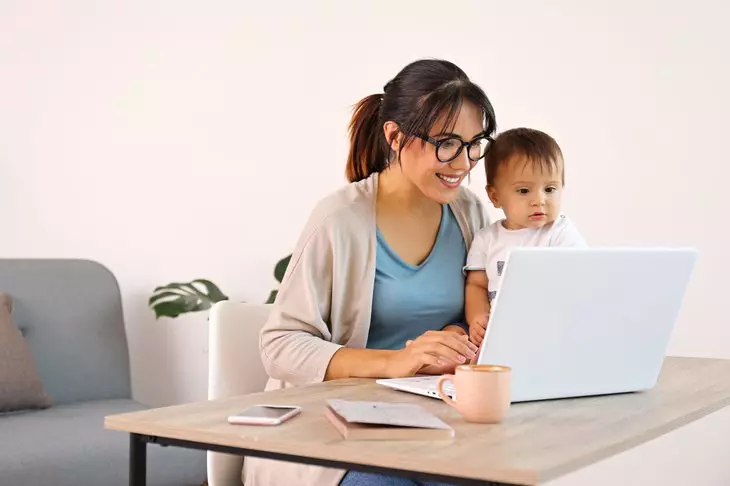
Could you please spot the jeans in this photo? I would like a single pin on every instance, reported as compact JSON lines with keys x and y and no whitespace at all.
{"x":356,"y":478}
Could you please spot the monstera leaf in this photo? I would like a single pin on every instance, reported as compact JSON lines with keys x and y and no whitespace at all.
{"x":174,"y":299}
{"x":279,"y":271}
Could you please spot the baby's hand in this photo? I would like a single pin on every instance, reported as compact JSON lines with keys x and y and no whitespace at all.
{"x":477,"y":329}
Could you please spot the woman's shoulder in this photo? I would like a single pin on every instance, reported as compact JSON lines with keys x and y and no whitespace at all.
{"x":349,"y":207}
{"x":472,"y":207}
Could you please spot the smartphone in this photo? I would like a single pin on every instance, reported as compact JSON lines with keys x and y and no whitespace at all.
{"x":265,"y":415}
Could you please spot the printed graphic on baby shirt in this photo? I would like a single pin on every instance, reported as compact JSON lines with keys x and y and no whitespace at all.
{"x":500,"y":267}
{"x":491,"y":295}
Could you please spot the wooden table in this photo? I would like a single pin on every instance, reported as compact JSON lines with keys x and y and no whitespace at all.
{"x":538,"y":442}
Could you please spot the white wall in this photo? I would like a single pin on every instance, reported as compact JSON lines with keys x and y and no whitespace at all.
{"x":161,"y":138}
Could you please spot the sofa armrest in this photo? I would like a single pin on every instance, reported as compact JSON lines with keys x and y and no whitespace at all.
{"x":234,"y":368}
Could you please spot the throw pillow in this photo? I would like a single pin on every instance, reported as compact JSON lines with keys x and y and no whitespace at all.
{"x":21,"y":387}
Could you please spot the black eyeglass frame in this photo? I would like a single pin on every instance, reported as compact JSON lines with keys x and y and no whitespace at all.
{"x":438,"y":143}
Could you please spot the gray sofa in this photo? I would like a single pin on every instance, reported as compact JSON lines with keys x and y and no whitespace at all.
{"x":70,"y":314}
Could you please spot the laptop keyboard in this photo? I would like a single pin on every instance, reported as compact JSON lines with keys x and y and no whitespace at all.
{"x":429,"y":384}
{"x":426,"y":385}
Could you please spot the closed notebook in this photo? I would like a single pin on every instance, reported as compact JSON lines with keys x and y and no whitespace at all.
{"x":362,"y":420}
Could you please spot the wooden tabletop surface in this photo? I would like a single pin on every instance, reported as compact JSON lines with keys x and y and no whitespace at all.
{"x":538,"y":442}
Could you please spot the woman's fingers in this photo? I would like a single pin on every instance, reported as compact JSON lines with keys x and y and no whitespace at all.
{"x":457,"y":341}
{"x":438,"y":361}
{"x":458,"y":344}
{"x":435,"y":349}
{"x":445,"y":352}
{"x":448,"y":346}
{"x":461,"y":344}
{"x":472,"y":347}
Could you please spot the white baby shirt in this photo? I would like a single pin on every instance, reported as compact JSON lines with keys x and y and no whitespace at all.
{"x":493,"y":243}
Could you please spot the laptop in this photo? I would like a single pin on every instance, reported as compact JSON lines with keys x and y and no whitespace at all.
{"x":575,"y":322}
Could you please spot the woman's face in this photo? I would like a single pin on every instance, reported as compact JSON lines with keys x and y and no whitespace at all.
{"x":436,"y":180}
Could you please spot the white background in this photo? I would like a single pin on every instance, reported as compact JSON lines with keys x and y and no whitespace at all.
{"x":177,"y":139}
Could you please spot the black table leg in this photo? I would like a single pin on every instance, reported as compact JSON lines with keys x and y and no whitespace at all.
{"x":137,"y":460}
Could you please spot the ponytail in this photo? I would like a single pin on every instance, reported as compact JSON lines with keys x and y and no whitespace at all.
{"x":368,"y":150}
{"x":423,"y":93}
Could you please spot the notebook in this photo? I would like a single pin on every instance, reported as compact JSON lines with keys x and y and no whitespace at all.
{"x":363,"y":420}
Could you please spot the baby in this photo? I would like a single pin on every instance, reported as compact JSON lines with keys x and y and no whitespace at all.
{"x":525,"y":178}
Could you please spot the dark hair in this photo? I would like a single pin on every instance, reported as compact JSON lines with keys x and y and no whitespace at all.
{"x":415,"y":99}
{"x":534,"y":146}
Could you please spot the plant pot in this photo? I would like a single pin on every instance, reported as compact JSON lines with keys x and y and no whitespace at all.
{"x":187,"y":351}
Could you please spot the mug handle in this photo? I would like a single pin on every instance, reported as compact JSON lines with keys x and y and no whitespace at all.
{"x":440,"y":388}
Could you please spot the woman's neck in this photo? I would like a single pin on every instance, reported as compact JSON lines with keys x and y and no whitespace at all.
{"x":397,"y":192}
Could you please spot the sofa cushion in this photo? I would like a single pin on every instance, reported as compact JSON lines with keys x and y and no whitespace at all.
{"x":20,"y":385}
{"x":67,"y":445}
{"x":70,"y":312}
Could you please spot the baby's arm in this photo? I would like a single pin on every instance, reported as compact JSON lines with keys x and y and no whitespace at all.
{"x":477,"y":304}
{"x":476,"y":298}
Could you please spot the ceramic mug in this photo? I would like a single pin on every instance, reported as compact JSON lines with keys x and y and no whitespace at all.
{"x":483,"y":392}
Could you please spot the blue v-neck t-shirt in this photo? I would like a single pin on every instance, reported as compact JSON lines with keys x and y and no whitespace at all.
{"x":409,"y":300}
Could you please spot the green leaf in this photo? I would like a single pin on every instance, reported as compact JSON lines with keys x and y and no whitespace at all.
{"x":162,"y":295}
{"x":176,"y":298}
{"x":214,"y":293}
{"x":272,"y":297}
{"x":280,"y":268}
{"x":174,"y":309}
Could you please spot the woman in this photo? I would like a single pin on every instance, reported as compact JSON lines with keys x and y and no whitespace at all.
{"x":375,"y":285}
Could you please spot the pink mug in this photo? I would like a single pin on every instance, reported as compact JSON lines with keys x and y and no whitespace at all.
{"x":483,"y":392}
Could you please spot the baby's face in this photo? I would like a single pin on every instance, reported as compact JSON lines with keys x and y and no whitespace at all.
{"x":529,"y":193}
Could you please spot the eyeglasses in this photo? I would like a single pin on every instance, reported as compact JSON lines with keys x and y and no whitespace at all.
{"x":447,"y":149}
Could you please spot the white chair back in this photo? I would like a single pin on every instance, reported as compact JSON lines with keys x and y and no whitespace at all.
{"x":235,"y":368}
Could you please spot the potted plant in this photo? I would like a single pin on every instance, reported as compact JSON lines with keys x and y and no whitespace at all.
{"x":200,"y":294}
{"x":178,"y":298}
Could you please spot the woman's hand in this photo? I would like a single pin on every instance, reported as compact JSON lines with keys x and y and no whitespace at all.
{"x":433,"y":352}
{"x":447,"y":368}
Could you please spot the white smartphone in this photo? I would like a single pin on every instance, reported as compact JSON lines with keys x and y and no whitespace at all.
{"x":265,"y":415}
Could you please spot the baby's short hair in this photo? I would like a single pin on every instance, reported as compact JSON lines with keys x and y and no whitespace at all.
{"x":534,"y":146}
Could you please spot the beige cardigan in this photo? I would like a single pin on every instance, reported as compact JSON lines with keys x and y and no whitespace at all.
{"x":324,"y":303}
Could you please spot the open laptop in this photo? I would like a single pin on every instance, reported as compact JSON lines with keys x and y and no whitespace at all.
{"x":576,"y":322}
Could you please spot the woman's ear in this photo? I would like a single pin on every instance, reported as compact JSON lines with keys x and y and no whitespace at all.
{"x":392,"y":135}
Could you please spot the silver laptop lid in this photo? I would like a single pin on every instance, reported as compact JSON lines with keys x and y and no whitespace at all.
{"x":577,"y":322}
